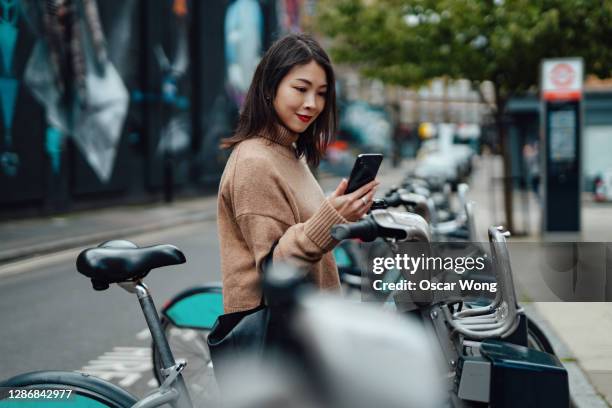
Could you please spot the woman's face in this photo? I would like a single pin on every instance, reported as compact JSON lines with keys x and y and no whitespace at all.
{"x":300,"y":97}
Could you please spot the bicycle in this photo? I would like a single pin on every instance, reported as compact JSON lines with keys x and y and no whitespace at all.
{"x":125,"y":264}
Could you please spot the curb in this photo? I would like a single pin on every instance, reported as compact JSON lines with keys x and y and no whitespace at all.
{"x":95,"y":238}
{"x":582,"y":393}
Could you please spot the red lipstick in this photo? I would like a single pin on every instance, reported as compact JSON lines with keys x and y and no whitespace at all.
{"x":304,"y":118}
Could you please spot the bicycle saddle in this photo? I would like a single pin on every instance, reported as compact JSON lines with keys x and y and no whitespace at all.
{"x":120,"y":261}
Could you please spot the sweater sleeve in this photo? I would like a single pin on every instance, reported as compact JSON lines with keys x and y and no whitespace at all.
{"x":264,"y":215}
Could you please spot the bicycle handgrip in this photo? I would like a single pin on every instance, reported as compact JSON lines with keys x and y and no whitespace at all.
{"x":393,"y":200}
{"x":366,"y":230}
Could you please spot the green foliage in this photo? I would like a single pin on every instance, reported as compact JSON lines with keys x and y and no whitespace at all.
{"x":408,"y":42}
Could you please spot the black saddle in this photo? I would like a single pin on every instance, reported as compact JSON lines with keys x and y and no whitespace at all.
{"x":120,"y":261}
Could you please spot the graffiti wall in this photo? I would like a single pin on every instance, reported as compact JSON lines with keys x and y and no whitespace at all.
{"x":106,"y":101}
{"x":22,"y":144}
{"x":227,"y":64}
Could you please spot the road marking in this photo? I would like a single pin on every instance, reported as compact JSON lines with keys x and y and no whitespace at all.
{"x":144,"y":334}
{"x":44,"y":261}
{"x":39,"y":263}
{"x":186,"y":335}
{"x":126,"y":364}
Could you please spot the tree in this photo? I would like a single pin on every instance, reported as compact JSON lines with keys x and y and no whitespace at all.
{"x":408,"y":42}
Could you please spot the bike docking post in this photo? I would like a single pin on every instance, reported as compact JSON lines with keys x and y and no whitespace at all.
{"x":502,"y":317}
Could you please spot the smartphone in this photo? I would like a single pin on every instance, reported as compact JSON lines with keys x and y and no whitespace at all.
{"x":364,"y":170}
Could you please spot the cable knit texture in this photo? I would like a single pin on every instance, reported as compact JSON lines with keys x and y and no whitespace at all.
{"x":267,"y":194}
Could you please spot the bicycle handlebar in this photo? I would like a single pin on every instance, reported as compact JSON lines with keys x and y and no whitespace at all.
{"x":385,"y":224}
{"x":393,"y":199}
{"x":366,"y":230}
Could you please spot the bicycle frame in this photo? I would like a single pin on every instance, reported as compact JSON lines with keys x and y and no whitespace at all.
{"x":173,"y":391}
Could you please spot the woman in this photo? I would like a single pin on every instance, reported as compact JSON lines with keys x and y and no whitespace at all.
{"x":267,"y":194}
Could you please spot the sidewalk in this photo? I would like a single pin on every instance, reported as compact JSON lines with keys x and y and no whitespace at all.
{"x":27,"y":238}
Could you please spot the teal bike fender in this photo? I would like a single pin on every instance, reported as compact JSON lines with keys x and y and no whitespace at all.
{"x":195,"y":308}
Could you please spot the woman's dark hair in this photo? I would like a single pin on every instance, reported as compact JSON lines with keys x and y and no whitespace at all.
{"x":258,"y":114}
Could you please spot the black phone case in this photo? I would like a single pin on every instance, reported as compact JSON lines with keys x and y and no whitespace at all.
{"x":364,"y":171}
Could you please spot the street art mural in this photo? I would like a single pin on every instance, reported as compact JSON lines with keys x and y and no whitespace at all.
{"x":119,"y":35}
{"x":175,"y":135}
{"x":288,"y":13}
{"x":243,"y":46}
{"x":9,"y":85}
{"x":83,"y":94}
{"x":54,"y":140}
{"x":74,"y":120}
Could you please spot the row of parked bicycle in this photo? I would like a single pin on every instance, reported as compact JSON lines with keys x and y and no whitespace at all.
{"x":452,"y":351}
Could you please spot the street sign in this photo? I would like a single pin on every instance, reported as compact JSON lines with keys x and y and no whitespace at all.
{"x":561,"y":79}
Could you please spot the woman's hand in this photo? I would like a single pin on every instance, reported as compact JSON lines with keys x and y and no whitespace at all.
{"x":355,"y":205}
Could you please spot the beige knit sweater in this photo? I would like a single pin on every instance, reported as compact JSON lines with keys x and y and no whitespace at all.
{"x":267,"y":194}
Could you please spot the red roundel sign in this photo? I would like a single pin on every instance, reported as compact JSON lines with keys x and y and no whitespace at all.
{"x":562,"y":79}
{"x":562,"y":75}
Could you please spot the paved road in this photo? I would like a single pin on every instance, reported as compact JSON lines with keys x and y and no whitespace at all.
{"x":52,"y":319}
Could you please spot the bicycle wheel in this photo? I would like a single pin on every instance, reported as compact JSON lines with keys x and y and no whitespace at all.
{"x":536,"y":339}
{"x":80,"y":391}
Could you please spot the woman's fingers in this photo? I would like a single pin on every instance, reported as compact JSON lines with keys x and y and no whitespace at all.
{"x":353,"y":206}
{"x":369,"y":198}
{"x":361,"y":191}
{"x":371,"y":195}
{"x":361,"y":205}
